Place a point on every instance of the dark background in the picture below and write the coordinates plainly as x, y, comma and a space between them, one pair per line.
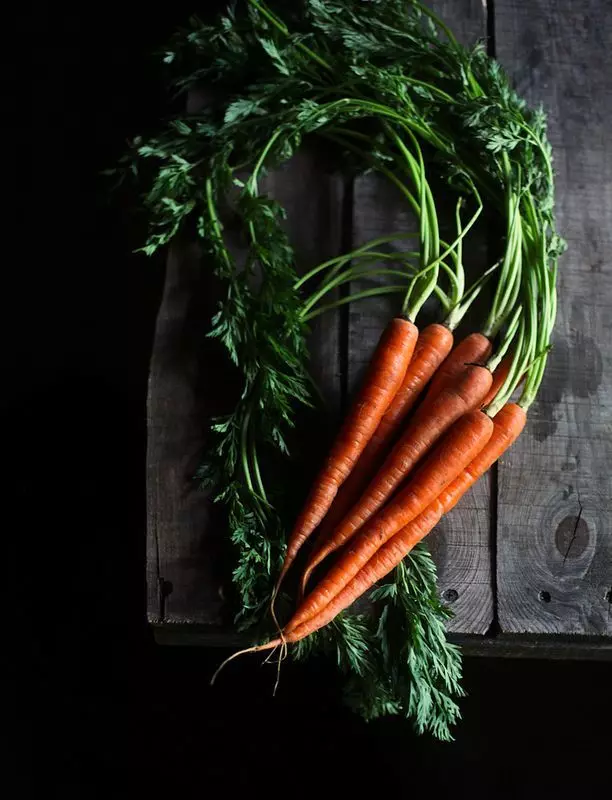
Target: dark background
97, 708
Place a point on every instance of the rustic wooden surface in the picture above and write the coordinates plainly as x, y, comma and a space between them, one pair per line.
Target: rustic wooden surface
529, 550
461, 544
554, 544
185, 545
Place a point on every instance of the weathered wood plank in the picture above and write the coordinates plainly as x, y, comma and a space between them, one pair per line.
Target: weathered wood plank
461, 543
313, 199
579, 648
182, 550
187, 558
555, 491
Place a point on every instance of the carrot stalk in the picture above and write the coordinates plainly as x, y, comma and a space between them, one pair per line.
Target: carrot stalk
459, 447
499, 378
385, 376
507, 426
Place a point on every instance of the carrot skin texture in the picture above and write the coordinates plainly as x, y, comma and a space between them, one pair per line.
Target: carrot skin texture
429, 423
385, 375
454, 453
508, 424
375, 569
473, 349
432, 347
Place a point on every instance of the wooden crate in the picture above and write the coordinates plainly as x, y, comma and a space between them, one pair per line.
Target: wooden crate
525, 560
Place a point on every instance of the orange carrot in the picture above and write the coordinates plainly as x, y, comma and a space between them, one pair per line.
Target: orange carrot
431, 420
459, 447
507, 426
376, 568
432, 347
385, 375
474, 349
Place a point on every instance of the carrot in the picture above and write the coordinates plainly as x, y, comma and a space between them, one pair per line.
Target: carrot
431, 420
459, 447
471, 349
474, 349
385, 375
376, 568
507, 426
432, 347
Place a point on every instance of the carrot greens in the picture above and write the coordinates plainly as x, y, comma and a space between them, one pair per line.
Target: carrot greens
387, 88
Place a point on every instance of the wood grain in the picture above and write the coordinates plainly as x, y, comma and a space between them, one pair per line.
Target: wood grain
554, 567
183, 549
313, 199
461, 544
188, 561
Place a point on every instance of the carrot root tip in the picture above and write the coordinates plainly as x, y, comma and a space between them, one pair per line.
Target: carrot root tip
256, 649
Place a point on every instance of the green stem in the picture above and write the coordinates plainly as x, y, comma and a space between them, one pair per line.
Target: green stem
496, 359
460, 288
363, 250
244, 451
252, 182
459, 311
546, 316
415, 166
212, 212
428, 222
256, 470
358, 296
514, 375
436, 19
283, 29
344, 277
510, 277
377, 109
380, 167
450, 248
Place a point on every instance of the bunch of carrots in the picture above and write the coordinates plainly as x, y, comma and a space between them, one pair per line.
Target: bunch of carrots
432, 414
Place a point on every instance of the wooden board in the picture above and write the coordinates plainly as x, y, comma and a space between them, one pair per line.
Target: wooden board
554, 567
314, 202
183, 548
186, 547
461, 544
547, 527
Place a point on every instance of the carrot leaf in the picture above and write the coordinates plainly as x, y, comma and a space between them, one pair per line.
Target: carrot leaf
384, 85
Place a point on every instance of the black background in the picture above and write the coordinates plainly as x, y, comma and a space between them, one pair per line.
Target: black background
98, 710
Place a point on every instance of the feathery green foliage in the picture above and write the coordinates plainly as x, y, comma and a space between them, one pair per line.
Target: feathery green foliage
376, 71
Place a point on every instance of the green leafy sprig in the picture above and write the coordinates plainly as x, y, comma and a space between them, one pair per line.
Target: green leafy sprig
379, 70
